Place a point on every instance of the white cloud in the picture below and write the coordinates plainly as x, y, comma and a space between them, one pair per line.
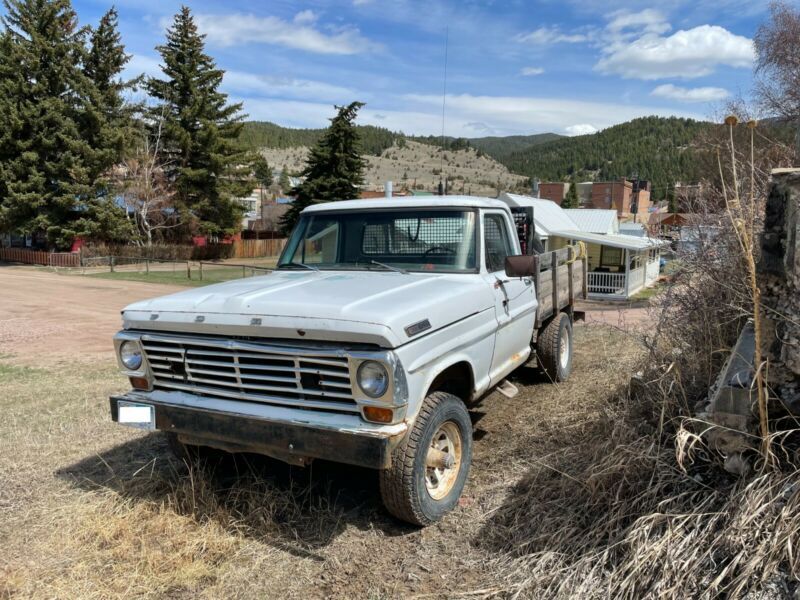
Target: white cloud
515, 115
531, 71
647, 21
139, 64
300, 34
686, 54
549, 35
682, 94
248, 84
305, 16
580, 129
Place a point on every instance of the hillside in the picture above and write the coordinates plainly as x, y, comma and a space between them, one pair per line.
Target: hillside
655, 148
263, 134
414, 165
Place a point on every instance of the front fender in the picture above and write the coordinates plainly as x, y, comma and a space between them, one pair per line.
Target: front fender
470, 340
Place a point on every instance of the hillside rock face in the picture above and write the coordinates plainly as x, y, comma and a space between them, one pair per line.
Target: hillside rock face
779, 273
417, 166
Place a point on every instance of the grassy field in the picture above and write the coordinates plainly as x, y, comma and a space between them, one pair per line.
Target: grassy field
180, 276
90, 509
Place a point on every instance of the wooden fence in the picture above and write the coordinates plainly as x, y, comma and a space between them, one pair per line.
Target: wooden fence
36, 257
258, 248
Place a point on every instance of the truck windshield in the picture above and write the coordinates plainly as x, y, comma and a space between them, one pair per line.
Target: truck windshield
401, 239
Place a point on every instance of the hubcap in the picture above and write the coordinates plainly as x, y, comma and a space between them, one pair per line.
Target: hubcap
443, 460
563, 351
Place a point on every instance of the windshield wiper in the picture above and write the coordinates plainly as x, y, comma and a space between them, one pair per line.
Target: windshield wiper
297, 264
390, 267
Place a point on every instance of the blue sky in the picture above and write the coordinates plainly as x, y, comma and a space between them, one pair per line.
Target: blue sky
514, 67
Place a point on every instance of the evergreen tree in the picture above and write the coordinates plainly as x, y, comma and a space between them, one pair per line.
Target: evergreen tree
334, 169
571, 199
108, 121
205, 161
262, 171
283, 180
46, 165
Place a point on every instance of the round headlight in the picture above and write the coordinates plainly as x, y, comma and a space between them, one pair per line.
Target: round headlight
373, 378
131, 355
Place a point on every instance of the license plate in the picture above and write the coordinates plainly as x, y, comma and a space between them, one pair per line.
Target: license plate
141, 416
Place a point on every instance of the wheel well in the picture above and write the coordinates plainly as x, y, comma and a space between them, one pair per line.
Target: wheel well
457, 379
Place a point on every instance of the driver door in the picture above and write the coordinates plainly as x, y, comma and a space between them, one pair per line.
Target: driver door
515, 302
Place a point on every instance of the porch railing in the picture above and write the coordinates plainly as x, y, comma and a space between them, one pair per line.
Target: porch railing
607, 283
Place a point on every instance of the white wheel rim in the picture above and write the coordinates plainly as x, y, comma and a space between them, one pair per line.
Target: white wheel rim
443, 460
563, 350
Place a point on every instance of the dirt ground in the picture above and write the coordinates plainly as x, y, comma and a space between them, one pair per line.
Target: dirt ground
93, 510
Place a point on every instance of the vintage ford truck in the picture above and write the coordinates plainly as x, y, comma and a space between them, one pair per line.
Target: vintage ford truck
384, 321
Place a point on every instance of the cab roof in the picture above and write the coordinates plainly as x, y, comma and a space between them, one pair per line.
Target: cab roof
409, 202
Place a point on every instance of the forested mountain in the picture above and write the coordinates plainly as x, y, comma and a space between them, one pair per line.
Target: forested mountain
655, 148
264, 134
498, 147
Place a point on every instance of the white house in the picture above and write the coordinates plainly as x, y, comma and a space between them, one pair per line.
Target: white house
619, 265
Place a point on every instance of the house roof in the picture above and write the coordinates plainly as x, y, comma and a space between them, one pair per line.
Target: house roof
594, 220
632, 229
615, 240
547, 215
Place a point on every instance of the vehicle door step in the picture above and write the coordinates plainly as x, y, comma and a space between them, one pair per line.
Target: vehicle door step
508, 389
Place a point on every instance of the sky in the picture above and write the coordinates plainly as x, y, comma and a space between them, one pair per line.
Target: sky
513, 66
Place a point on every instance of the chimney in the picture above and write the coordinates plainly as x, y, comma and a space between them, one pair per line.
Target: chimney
388, 189
535, 188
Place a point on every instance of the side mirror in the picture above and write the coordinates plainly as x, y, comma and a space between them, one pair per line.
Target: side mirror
523, 265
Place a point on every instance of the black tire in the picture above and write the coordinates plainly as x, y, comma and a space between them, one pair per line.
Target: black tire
403, 486
548, 348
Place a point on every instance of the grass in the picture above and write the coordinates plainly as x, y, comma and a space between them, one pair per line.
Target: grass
647, 294
179, 277
91, 509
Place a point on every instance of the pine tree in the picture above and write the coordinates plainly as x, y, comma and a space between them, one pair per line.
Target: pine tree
107, 123
571, 199
334, 168
45, 164
283, 180
262, 172
201, 130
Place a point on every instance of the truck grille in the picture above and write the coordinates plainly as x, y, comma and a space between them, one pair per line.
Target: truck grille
252, 372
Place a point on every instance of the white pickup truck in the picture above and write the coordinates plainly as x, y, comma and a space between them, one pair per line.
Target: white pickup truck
382, 323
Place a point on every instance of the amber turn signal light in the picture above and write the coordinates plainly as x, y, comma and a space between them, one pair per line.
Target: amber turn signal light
139, 383
378, 414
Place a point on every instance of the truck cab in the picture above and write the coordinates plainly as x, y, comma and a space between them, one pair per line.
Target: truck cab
382, 323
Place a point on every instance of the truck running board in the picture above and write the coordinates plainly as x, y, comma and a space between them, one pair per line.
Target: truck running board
508, 389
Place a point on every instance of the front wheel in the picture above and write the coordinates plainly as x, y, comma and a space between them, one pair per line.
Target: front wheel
431, 464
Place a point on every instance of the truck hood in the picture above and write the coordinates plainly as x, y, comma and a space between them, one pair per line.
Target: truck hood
342, 306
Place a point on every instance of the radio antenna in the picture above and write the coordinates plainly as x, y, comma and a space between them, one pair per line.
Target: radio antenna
442, 189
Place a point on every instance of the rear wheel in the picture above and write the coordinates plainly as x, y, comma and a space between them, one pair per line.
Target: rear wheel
554, 348
430, 466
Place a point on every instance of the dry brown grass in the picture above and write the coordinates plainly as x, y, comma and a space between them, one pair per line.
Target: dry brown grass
90, 509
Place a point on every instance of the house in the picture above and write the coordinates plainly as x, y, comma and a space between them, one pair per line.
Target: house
626, 197
665, 224
555, 191
630, 228
619, 265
